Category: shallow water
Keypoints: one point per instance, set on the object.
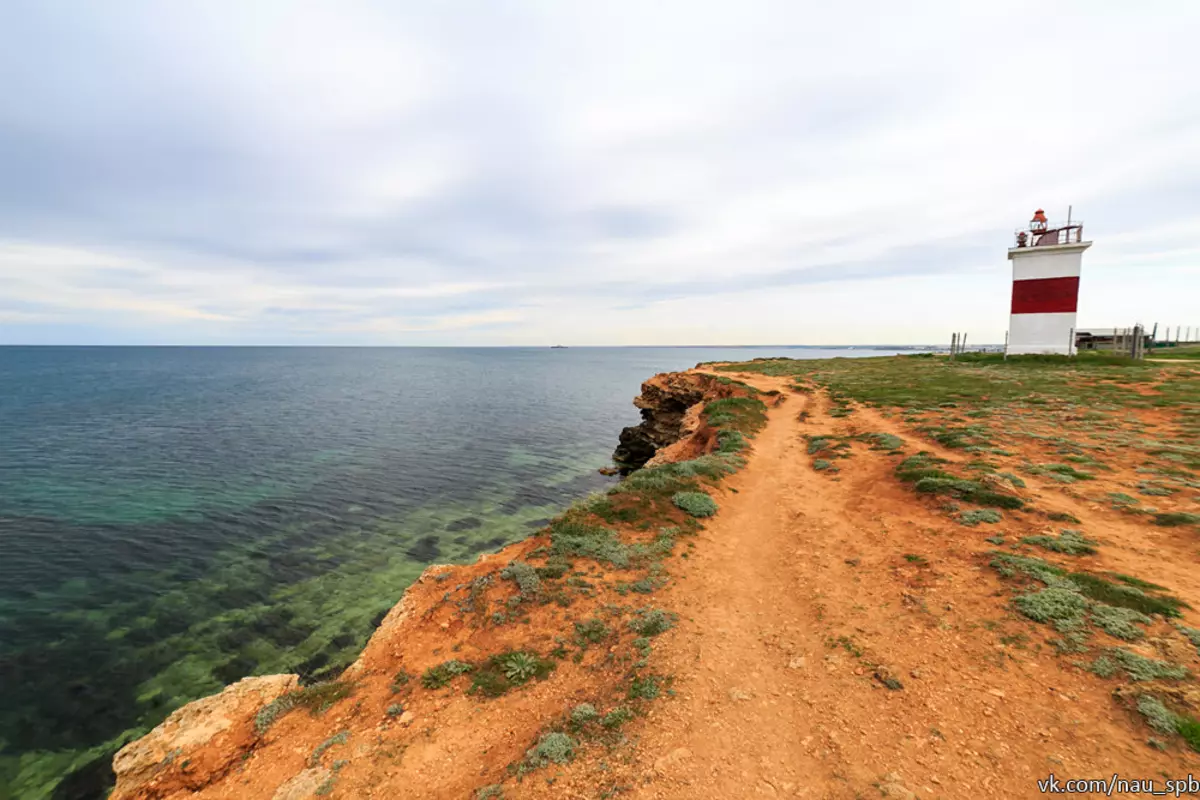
(174, 519)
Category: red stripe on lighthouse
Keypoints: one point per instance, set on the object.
(1045, 295)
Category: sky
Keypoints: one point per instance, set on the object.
(483, 173)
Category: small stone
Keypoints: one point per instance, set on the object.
(796, 663)
(407, 718)
(916, 673)
(738, 694)
(671, 759)
(995, 693)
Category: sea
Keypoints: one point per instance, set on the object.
(173, 519)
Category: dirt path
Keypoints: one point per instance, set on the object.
(808, 594)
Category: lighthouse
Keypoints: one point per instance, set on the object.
(1046, 264)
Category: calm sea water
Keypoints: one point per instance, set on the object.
(174, 519)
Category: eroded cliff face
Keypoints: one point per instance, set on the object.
(666, 401)
(393, 725)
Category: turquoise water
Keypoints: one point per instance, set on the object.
(174, 519)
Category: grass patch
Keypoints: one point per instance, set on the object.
(1061, 516)
(646, 687)
(698, 504)
(1174, 519)
(971, 491)
(332, 741)
(1157, 715)
(1140, 668)
(973, 518)
(569, 538)
(1119, 622)
(1069, 541)
(823, 465)
(745, 415)
(317, 698)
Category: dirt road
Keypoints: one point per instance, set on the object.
(840, 639)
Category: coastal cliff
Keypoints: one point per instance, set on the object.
(480, 672)
(838, 578)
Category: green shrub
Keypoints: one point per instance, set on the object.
(698, 504)
(1189, 729)
(1154, 489)
(395, 710)
(973, 518)
(1062, 607)
(493, 792)
(520, 667)
(1061, 516)
(972, 491)
(1097, 588)
(1141, 668)
(823, 465)
(400, 681)
(1157, 715)
(882, 441)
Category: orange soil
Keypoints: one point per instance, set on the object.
(795, 604)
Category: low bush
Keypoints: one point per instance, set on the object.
(442, 674)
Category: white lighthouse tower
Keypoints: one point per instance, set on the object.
(1045, 291)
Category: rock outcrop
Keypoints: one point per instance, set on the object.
(665, 401)
(162, 761)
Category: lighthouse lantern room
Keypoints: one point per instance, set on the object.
(1046, 267)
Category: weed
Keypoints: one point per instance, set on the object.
(1155, 489)
(651, 622)
(745, 414)
(442, 674)
(646, 687)
(1069, 541)
(973, 518)
(591, 631)
(616, 718)
(332, 741)
(1192, 634)
(1017, 483)
(583, 714)
(824, 465)
(400, 681)
(913, 558)
(507, 670)
(395, 710)
(1062, 516)
(492, 792)
(525, 577)
(698, 504)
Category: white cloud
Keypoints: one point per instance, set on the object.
(669, 172)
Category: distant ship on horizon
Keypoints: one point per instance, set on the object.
(558, 347)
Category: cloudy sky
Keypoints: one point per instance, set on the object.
(585, 173)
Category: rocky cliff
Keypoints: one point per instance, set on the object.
(665, 402)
